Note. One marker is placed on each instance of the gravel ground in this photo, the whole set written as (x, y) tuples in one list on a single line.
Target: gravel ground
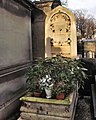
[(15, 116), (83, 111)]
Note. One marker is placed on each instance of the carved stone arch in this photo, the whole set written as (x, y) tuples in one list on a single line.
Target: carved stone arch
[(60, 33)]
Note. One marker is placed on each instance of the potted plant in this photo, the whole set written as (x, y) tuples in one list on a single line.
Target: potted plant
[(58, 91), (62, 89), (38, 76), (61, 75), (33, 83), (70, 76), (46, 83), (58, 73)]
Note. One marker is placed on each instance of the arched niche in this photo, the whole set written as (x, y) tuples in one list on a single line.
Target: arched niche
[(60, 33)]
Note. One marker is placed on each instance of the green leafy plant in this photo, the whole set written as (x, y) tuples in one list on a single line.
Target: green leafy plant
[(63, 70), (36, 75)]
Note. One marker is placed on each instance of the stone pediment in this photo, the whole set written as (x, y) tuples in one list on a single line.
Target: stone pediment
[(61, 9)]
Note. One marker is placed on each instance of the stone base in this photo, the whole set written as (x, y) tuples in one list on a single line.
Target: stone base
[(48, 109)]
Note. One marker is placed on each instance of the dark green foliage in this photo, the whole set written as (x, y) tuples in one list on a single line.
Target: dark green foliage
[(65, 73)]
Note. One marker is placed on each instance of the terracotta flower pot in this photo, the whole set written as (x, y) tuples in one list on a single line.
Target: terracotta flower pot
[(61, 96), (36, 94)]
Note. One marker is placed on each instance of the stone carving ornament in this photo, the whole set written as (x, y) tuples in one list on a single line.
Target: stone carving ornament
[(60, 25)]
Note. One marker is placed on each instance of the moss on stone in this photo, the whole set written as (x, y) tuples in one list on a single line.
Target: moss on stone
[(44, 100)]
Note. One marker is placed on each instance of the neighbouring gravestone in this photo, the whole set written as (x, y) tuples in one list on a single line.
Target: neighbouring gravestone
[(48, 109), (89, 48)]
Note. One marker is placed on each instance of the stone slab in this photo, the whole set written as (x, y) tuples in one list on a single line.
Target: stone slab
[(30, 116), (44, 109)]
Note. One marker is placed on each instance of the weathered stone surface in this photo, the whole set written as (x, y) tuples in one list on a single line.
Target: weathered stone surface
[(46, 109), (39, 108), (83, 112), (30, 116), (15, 54), (60, 30)]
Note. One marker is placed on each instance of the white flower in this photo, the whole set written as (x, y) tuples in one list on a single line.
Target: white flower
[(46, 81), (72, 72), (47, 76), (78, 67), (84, 69)]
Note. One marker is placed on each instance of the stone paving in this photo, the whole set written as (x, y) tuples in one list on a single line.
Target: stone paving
[(83, 112), (84, 109), (15, 116)]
